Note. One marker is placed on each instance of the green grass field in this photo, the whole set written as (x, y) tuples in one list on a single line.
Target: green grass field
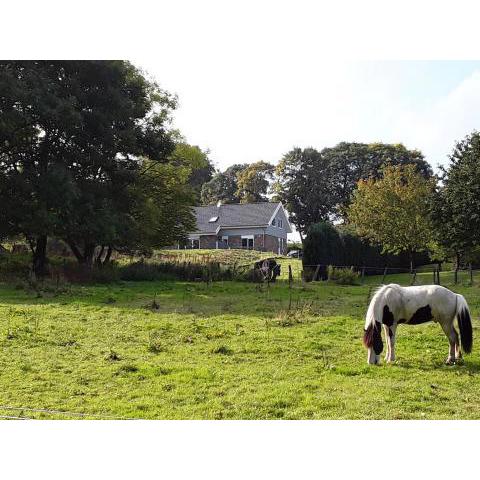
[(225, 351)]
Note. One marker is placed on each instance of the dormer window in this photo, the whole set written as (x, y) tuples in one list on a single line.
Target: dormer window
[(213, 219), (273, 222)]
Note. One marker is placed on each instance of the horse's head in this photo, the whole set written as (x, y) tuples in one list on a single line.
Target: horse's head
[(372, 339)]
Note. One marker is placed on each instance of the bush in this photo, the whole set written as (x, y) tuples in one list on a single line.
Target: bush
[(142, 271), (342, 276), (75, 273), (187, 271), (14, 266)]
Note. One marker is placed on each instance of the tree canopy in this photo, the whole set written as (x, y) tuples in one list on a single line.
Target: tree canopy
[(223, 186), (197, 161), (72, 134), (394, 211), (456, 205), (253, 182), (317, 185)]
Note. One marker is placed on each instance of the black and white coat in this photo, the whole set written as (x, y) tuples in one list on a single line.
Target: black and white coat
[(393, 304)]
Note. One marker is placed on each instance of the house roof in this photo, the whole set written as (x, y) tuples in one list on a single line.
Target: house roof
[(235, 215)]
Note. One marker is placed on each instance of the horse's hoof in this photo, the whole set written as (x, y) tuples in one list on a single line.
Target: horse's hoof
[(449, 361), (459, 361)]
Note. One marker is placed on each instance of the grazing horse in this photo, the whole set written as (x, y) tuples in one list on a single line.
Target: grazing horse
[(393, 304)]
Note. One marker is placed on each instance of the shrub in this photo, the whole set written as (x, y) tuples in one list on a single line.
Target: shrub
[(188, 271), (342, 276)]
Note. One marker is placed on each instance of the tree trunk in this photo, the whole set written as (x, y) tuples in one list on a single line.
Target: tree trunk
[(75, 250), (457, 266), (411, 262), (300, 233), (88, 253), (98, 258), (106, 260), (86, 257), (40, 261)]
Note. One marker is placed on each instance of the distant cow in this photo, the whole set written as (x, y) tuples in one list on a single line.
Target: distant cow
[(267, 270)]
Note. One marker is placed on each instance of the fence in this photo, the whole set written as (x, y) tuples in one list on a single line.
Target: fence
[(424, 275)]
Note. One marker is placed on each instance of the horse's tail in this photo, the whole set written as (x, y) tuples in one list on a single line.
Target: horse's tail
[(464, 324)]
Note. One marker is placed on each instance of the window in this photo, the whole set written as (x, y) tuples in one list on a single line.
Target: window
[(277, 222), (247, 242), (195, 243), (213, 219)]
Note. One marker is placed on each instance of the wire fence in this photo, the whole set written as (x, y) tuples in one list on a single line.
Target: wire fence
[(375, 275)]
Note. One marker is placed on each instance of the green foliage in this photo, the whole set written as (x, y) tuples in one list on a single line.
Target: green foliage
[(342, 276), (196, 160), (141, 271), (394, 210), (162, 213), (317, 185), (322, 245), (253, 182), (71, 133), (223, 186), (456, 205), (339, 246)]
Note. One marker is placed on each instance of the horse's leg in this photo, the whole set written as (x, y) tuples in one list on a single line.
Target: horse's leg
[(393, 335), (452, 336), (389, 343), (458, 351)]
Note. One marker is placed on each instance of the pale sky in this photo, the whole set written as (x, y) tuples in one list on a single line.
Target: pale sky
[(257, 107)]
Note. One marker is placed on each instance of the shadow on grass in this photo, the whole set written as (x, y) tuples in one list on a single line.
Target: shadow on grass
[(199, 299), (468, 367)]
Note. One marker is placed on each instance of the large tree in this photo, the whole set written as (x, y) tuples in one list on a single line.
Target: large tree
[(456, 206), (303, 185), (394, 210), (197, 161), (253, 182), (318, 185), (71, 134), (223, 186)]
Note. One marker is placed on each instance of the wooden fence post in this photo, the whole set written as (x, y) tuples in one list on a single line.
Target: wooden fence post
[(290, 276), (435, 276), (384, 275), (471, 273), (438, 276), (315, 275), (414, 276), (363, 275)]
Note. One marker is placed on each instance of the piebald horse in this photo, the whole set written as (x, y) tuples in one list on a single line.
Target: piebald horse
[(393, 304)]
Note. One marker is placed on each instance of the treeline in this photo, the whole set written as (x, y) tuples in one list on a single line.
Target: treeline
[(88, 155), (404, 210)]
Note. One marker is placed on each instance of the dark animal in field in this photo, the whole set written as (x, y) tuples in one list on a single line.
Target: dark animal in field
[(267, 270), (393, 304)]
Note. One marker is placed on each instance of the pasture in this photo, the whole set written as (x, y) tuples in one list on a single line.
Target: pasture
[(225, 350)]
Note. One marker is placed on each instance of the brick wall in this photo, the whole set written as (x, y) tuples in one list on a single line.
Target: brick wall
[(267, 243), (208, 241)]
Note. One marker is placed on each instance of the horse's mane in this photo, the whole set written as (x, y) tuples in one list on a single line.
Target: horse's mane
[(377, 295)]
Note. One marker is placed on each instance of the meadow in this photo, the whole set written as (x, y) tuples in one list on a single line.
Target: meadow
[(223, 350)]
